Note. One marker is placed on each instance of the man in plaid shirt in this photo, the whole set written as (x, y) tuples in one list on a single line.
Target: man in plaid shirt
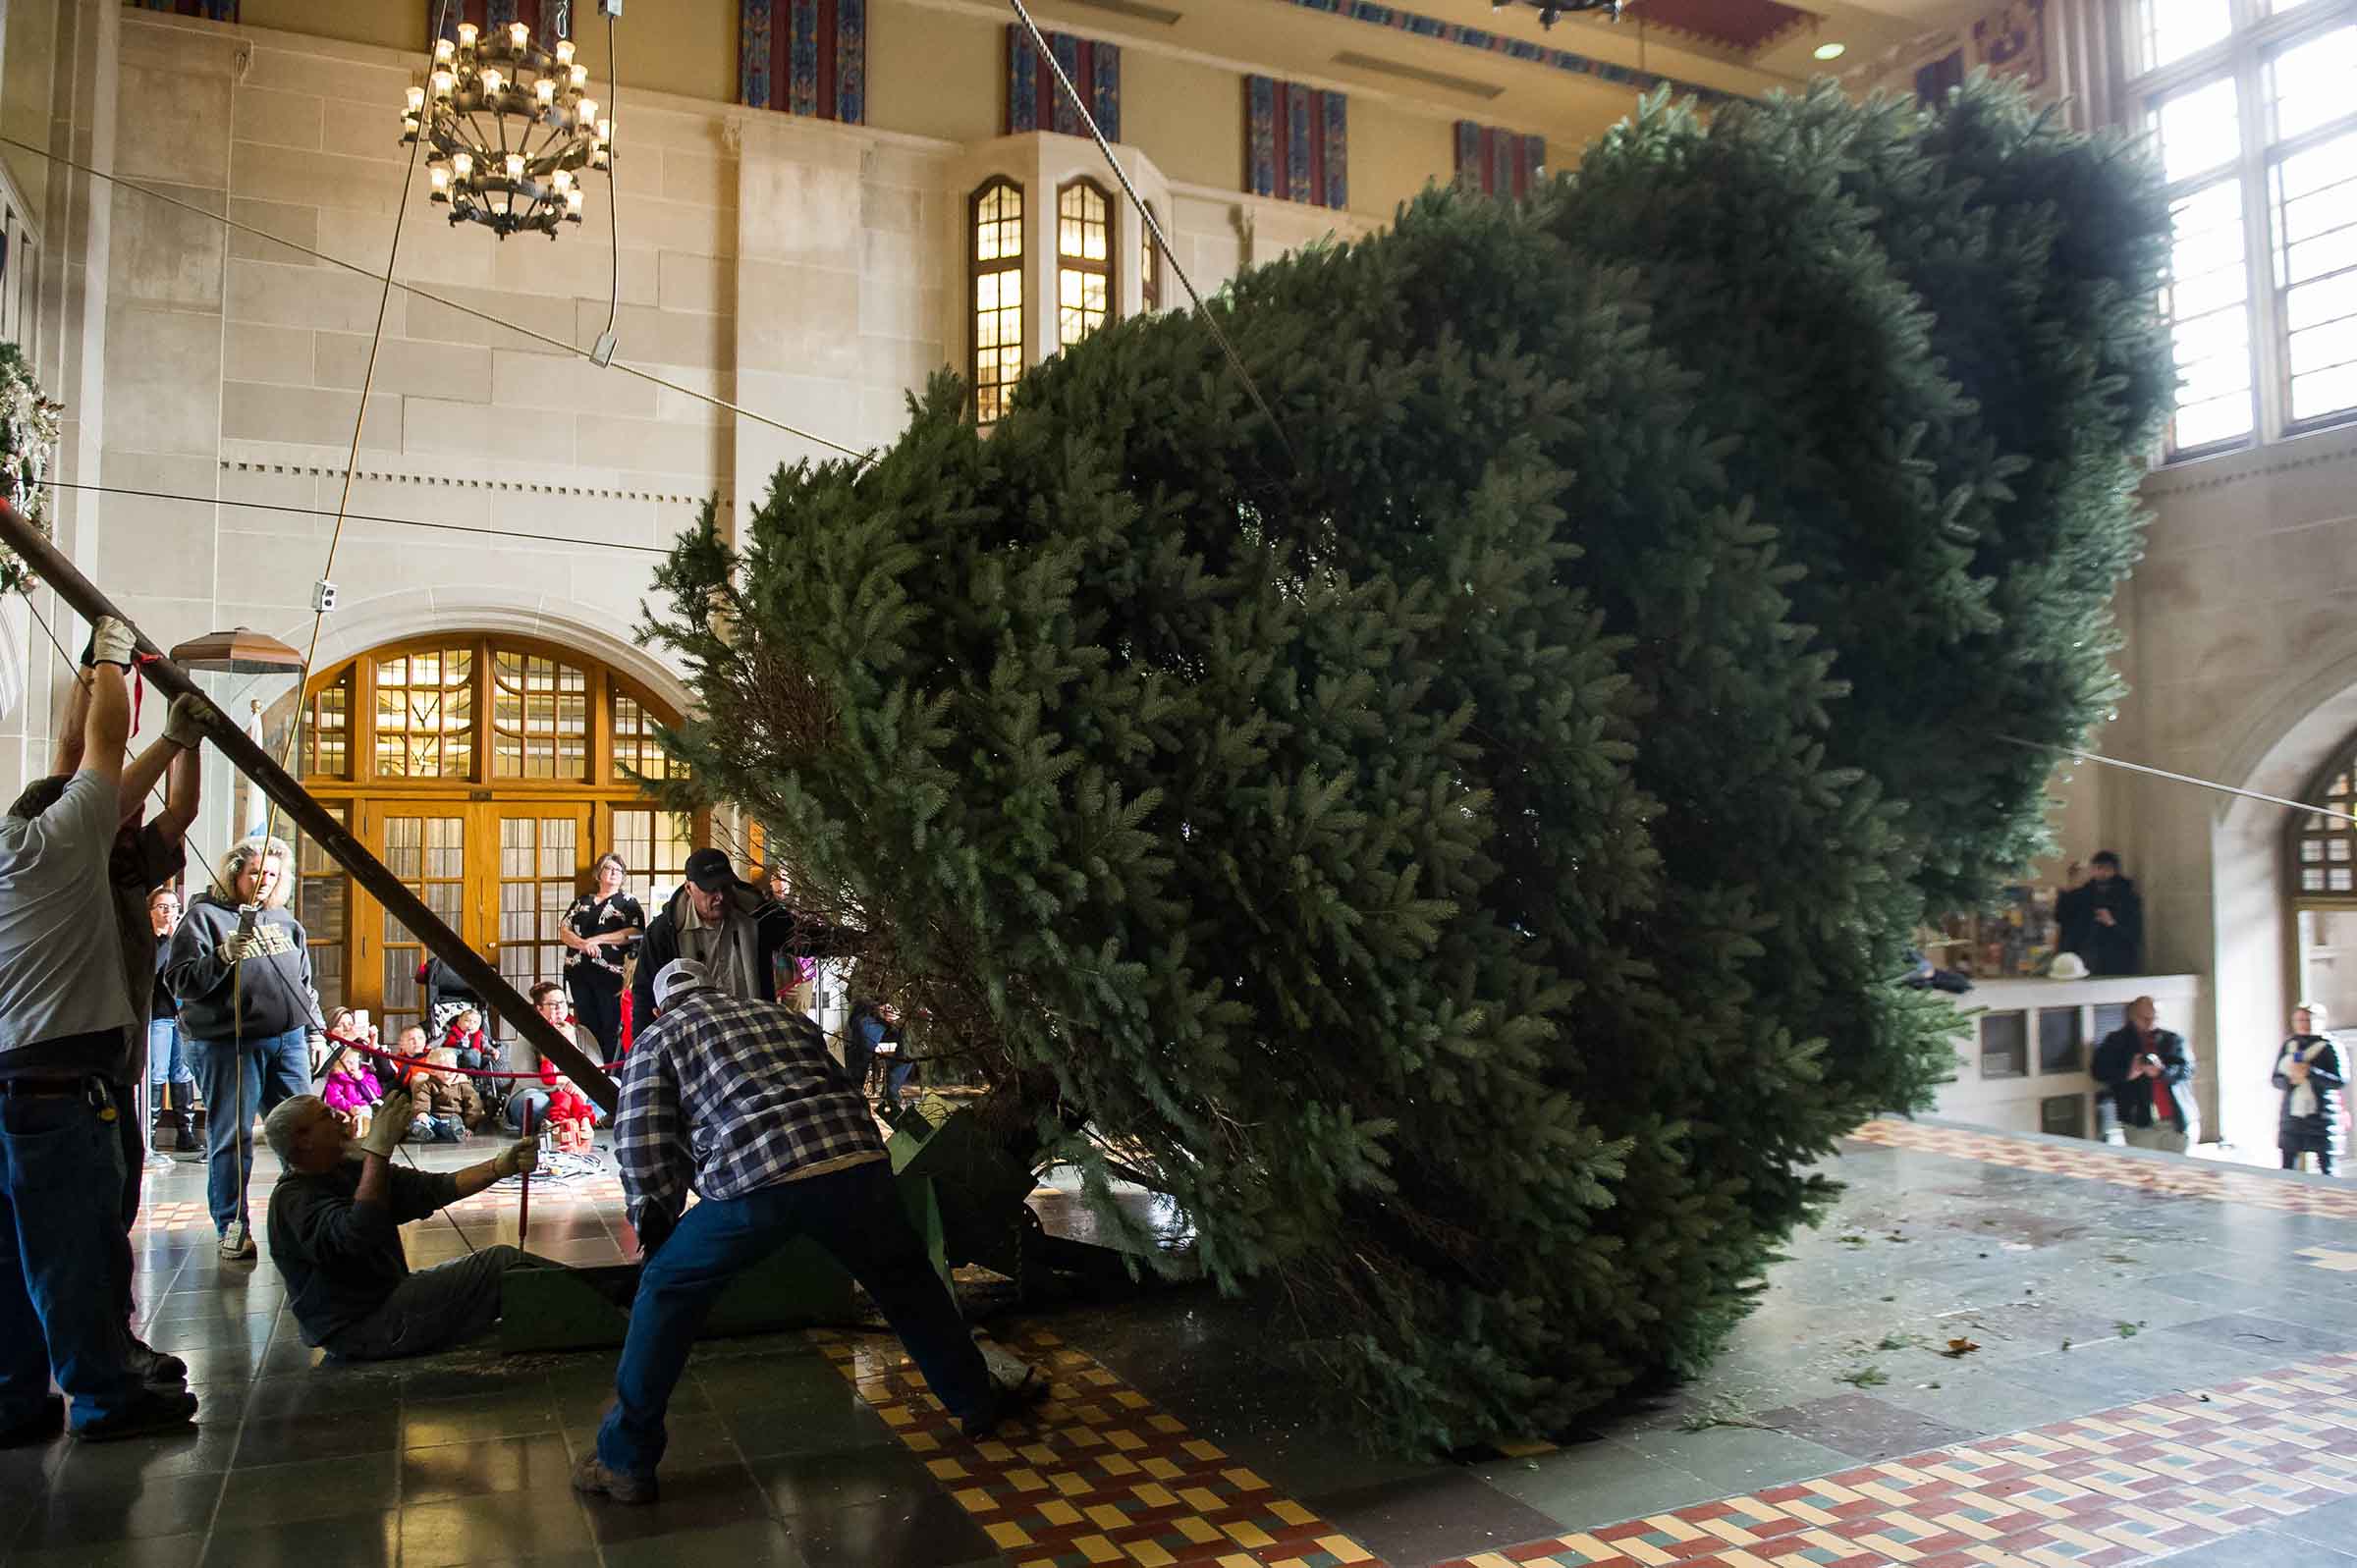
[(742, 1101)]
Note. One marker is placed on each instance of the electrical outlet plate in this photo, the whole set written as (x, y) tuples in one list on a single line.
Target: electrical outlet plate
[(603, 355)]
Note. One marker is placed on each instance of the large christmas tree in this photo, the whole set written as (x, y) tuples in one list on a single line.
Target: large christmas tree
[(1460, 844)]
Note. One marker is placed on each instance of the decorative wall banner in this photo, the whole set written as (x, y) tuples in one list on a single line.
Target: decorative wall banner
[(548, 19), (1580, 65), (1035, 103), (806, 57), (1498, 163), (211, 9), (1934, 82), (1296, 143), (2013, 42)]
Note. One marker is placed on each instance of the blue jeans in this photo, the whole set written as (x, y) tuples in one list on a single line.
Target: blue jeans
[(61, 1179), (522, 1100), (858, 1218), (241, 1081), (437, 1129), (167, 1060)]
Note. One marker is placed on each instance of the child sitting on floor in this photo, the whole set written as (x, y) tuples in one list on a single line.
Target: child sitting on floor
[(569, 1116), (446, 1106), (351, 1092)]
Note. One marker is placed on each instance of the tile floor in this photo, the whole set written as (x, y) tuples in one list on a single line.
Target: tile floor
[(2166, 1368)]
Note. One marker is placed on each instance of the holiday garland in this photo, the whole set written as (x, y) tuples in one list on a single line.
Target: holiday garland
[(28, 441)]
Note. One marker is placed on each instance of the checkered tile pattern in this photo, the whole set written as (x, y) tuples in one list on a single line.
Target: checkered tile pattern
[(2333, 1258), (1097, 1476), (2095, 1161), (2123, 1487)]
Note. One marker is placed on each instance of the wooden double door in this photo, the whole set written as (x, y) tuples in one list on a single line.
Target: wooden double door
[(501, 873)]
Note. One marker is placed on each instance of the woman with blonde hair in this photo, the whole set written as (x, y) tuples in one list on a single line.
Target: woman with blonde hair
[(241, 966)]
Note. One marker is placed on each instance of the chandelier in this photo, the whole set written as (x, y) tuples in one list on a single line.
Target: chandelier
[(508, 124)]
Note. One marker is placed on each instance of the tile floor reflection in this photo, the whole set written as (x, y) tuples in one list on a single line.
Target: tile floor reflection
[(2166, 1368)]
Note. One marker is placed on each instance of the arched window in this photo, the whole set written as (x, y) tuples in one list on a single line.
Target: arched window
[(1149, 269), (2321, 878), (997, 270), (488, 774), (1084, 231)]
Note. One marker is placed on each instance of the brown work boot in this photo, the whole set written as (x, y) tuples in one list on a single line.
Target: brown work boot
[(591, 1475)]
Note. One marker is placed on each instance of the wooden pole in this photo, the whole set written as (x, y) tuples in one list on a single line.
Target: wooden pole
[(316, 821)]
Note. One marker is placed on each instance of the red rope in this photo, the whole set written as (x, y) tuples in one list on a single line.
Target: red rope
[(410, 1064)]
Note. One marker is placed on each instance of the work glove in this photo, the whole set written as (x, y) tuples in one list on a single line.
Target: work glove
[(183, 726), (394, 1114), (520, 1157), (654, 1227), (112, 643)]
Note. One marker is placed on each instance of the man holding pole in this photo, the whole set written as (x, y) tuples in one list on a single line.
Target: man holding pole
[(65, 1022), (335, 1234), (146, 856)]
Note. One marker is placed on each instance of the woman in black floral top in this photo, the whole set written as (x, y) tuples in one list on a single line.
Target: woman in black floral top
[(600, 930)]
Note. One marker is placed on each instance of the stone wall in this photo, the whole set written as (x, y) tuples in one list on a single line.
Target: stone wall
[(811, 274)]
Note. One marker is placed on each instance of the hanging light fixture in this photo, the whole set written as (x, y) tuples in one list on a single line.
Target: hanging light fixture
[(507, 125)]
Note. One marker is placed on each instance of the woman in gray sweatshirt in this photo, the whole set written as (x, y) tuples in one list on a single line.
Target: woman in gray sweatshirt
[(240, 967)]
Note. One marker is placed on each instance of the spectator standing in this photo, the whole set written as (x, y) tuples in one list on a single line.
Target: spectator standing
[(66, 1025), (729, 928), (2148, 1073), (2309, 1071), (2101, 918), (601, 933), (241, 966), (335, 1218), (171, 1086)]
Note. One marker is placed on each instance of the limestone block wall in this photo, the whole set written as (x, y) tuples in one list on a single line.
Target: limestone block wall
[(811, 274), (2242, 656)]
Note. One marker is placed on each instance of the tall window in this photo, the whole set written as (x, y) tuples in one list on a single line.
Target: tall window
[(426, 714), (997, 211), (1083, 260), (2251, 108), (539, 717), (1149, 269), (2321, 890)]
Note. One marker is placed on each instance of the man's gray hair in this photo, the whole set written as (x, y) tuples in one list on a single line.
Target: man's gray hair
[(278, 1127)]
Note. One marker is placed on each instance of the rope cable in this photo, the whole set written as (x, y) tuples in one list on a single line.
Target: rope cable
[(1161, 240), (359, 419), (414, 292), (358, 517)]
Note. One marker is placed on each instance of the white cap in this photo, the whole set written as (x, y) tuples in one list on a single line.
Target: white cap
[(678, 976)]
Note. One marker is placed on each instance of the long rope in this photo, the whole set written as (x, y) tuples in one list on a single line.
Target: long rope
[(357, 516), (2177, 777), (416, 293), (359, 419), (1161, 240)]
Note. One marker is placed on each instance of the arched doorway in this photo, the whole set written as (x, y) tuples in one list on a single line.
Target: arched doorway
[(489, 772), (2320, 880)]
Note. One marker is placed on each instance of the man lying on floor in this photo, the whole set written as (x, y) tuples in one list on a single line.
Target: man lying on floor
[(335, 1234)]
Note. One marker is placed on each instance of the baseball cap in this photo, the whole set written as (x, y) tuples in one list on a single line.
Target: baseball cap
[(678, 976), (709, 869)]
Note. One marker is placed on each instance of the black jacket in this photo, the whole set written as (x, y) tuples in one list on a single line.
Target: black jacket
[(778, 930), (2131, 1097), (2319, 1132), (2113, 949), (275, 995)]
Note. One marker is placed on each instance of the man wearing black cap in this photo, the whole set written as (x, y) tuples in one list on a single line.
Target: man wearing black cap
[(729, 928)]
